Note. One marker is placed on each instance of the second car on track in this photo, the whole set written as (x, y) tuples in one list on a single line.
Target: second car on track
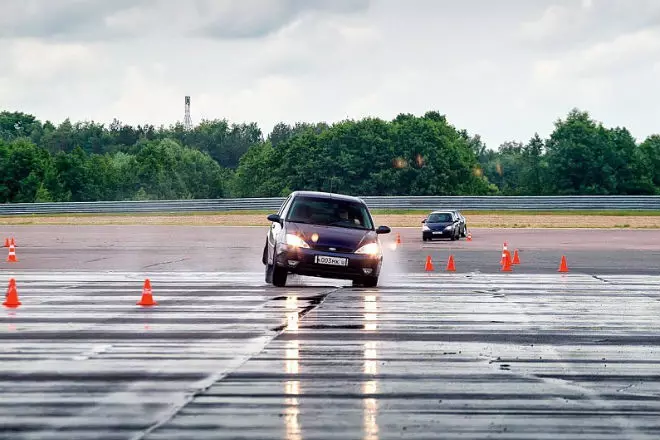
[(441, 224)]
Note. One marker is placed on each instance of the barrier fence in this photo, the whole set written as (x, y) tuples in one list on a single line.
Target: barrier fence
[(485, 203)]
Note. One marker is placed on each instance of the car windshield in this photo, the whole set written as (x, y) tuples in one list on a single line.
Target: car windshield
[(330, 212), (444, 217)]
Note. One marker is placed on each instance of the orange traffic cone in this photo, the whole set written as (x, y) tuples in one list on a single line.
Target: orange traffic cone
[(563, 267), (6, 242), (147, 297), (516, 258), (505, 250), (429, 264), (11, 299), (11, 258), (13, 242), (469, 237), (398, 238), (506, 265), (450, 264)]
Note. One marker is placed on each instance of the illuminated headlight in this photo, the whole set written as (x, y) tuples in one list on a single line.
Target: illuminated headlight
[(425, 228), (295, 241), (449, 228), (369, 249)]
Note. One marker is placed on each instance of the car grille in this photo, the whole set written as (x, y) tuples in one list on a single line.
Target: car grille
[(334, 249)]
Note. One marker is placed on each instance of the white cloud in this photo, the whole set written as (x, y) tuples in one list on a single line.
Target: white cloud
[(500, 69), (38, 60), (626, 52), (556, 19)]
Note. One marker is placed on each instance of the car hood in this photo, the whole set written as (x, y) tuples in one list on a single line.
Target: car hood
[(343, 239)]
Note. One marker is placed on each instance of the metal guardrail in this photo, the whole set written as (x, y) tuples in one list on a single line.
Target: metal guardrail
[(486, 203)]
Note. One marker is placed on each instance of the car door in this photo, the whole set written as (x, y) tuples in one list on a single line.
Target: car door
[(275, 231)]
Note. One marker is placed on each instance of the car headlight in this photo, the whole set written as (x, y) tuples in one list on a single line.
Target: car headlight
[(449, 228), (425, 228), (369, 249), (295, 241)]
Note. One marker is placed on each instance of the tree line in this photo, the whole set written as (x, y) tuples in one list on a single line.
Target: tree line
[(409, 155)]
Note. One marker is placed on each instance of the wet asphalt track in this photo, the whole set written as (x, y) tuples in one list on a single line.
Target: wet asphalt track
[(476, 354)]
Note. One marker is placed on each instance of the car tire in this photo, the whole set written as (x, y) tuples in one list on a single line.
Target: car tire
[(366, 282), (264, 257), (279, 276), (269, 274)]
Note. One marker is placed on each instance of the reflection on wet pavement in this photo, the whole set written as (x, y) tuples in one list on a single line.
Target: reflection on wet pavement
[(442, 357), (292, 386), (426, 356)]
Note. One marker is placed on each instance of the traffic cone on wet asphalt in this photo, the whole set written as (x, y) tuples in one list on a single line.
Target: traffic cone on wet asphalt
[(469, 236), (429, 264), (398, 239), (12, 283), (13, 242), (505, 250), (563, 266), (506, 262), (11, 258), (147, 297), (451, 267), (516, 258), (11, 299), (6, 242)]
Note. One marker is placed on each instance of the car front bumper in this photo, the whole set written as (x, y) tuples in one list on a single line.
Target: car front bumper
[(429, 235), (303, 262)]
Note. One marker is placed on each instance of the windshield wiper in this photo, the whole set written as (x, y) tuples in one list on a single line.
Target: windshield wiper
[(343, 225)]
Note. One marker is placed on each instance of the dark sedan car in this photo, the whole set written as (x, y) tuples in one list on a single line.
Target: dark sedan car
[(441, 224), (323, 235)]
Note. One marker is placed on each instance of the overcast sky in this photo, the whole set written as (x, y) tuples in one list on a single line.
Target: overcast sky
[(503, 69)]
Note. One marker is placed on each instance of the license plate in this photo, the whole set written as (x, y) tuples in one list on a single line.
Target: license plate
[(437, 232), (333, 261)]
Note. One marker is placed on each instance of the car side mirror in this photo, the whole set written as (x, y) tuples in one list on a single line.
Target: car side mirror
[(424, 221), (383, 230), (275, 218)]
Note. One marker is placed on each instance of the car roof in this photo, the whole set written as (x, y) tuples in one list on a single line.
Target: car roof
[(327, 195), (448, 211)]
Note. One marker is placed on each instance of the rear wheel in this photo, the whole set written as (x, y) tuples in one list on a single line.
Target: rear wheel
[(269, 273)]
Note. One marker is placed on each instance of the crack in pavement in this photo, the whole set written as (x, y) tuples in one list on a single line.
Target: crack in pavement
[(165, 262)]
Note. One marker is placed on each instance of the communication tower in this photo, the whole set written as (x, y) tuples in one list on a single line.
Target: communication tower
[(187, 121)]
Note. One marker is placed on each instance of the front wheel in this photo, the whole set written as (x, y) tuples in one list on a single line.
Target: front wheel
[(280, 275)]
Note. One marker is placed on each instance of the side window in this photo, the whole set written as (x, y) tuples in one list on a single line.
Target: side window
[(286, 202), (286, 205)]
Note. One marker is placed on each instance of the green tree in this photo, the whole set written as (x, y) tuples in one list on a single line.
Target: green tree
[(23, 166)]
